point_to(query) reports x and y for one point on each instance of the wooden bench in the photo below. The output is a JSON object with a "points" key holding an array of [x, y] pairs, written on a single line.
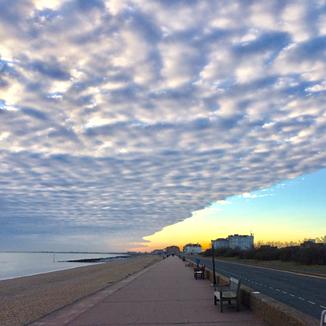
{"points": [[228, 293]]}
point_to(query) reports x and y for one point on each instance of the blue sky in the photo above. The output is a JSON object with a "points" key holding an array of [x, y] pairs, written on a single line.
{"points": [[118, 118], [303, 197], [287, 212], [296, 206]]}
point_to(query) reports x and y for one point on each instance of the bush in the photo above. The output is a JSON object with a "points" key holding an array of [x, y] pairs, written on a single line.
{"points": [[309, 255], [266, 253]]}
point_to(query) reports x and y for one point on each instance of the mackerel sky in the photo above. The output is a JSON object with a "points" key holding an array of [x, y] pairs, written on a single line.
{"points": [[118, 118]]}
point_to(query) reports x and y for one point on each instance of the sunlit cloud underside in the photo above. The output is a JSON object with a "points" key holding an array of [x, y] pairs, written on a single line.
{"points": [[118, 118]]}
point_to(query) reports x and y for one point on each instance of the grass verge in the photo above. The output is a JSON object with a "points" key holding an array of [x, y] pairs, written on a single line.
{"points": [[317, 270]]}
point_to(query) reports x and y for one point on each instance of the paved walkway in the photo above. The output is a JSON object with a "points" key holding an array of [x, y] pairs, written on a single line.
{"points": [[166, 294]]}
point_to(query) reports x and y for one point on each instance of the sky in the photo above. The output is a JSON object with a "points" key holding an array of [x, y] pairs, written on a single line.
{"points": [[119, 118], [288, 212]]}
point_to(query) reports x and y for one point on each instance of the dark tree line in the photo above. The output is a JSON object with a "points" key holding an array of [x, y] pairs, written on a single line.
{"points": [[309, 255]]}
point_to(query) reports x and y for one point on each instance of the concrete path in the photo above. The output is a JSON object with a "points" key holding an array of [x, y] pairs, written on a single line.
{"points": [[165, 294]]}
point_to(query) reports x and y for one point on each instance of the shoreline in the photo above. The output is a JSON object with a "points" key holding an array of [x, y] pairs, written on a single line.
{"points": [[28, 298], [61, 264], [87, 264]]}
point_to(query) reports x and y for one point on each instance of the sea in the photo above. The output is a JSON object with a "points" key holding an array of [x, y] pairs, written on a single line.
{"points": [[18, 264]]}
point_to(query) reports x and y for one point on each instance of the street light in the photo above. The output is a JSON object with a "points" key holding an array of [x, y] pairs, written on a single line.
{"points": [[213, 262]]}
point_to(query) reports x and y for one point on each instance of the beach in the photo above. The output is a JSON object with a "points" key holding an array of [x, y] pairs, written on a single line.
{"points": [[26, 299]]}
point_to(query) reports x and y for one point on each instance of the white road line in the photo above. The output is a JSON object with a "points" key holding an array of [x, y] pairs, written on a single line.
{"points": [[300, 298], [284, 292], [292, 295], [273, 269], [311, 302], [278, 290], [271, 287], [323, 307]]}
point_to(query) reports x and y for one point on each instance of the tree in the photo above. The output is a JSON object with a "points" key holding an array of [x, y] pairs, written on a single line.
{"points": [[321, 239]]}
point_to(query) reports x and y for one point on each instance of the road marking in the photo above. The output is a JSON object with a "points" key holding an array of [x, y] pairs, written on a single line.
{"points": [[270, 287], [273, 269]]}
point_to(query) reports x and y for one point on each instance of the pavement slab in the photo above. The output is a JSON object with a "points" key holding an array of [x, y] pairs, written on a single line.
{"points": [[164, 294]]}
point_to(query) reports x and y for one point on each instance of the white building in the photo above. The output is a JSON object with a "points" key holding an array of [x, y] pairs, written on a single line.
{"points": [[191, 248], [243, 242], [221, 243], [235, 241]]}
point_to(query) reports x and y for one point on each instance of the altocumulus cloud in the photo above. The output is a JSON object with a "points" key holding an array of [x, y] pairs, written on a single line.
{"points": [[121, 117]]}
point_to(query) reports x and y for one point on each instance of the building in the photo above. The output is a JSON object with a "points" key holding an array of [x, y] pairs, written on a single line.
{"points": [[221, 243], [242, 242], [308, 243], [158, 252], [172, 250], [192, 248], [235, 241]]}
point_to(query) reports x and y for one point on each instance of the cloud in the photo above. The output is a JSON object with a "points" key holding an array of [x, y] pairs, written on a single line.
{"points": [[121, 117], [50, 69]]}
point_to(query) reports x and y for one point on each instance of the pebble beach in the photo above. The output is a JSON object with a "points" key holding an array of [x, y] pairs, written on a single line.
{"points": [[26, 299]]}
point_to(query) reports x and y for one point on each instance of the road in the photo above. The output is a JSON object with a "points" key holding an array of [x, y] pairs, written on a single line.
{"points": [[302, 292]]}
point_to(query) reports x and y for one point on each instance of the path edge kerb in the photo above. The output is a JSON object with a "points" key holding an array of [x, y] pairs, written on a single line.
{"points": [[273, 312], [67, 313]]}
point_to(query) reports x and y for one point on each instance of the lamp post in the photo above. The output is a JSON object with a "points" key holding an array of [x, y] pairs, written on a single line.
{"points": [[213, 262]]}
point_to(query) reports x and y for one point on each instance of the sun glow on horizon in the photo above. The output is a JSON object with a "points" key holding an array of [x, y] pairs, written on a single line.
{"points": [[278, 214]]}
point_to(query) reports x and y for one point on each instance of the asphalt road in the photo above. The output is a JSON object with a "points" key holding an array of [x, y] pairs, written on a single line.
{"points": [[302, 292]]}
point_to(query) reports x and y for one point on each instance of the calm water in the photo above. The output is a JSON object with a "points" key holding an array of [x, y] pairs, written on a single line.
{"points": [[23, 264]]}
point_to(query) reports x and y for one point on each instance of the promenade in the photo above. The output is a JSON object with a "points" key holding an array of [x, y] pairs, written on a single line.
{"points": [[164, 294]]}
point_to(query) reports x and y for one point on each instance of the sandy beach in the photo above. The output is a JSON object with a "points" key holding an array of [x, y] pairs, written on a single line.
{"points": [[26, 299]]}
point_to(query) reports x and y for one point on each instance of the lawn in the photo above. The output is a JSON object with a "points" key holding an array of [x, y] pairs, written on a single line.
{"points": [[319, 270]]}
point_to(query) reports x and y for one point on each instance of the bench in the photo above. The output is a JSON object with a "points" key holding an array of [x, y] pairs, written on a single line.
{"points": [[199, 272], [323, 318], [228, 293]]}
